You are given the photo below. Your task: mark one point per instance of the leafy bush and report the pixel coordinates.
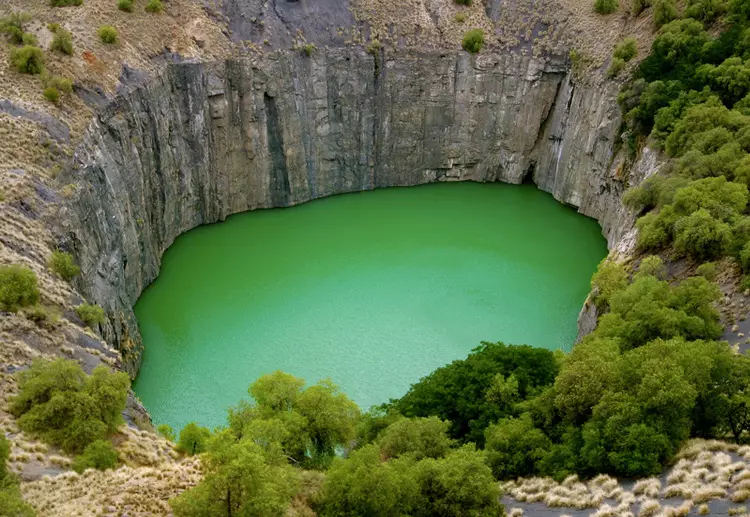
(652, 266)
(460, 17)
(745, 258)
(98, 455)
(639, 6)
(615, 67)
(463, 2)
(626, 50)
(610, 278)
(706, 10)
(154, 6)
(473, 40)
(65, 3)
(62, 264)
(13, 26)
(41, 315)
(664, 12)
(107, 34)
(167, 432)
(707, 271)
(125, 5)
(18, 288)
(29, 39)
(418, 437)
(606, 6)
(515, 447)
(62, 41)
(62, 405)
(27, 59)
(701, 235)
(193, 439)
(91, 314)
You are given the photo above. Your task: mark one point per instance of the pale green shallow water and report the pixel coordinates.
(374, 289)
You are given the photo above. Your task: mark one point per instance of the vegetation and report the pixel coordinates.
(460, 17)
(28, 59)
(62, 41)
(11, 503)
(473, 40)
(97, 455)
(167, 432)
(154, 6)
(18, 288)
(62, 263)
(52, 94)
(63, 406)
(91, 314)
(13, 26)
(193, 439)
(107, 34)
(125, 5)
(463, 2)
(65, 3)
(606, 6)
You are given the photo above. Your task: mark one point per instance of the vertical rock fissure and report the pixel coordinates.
(280, 191)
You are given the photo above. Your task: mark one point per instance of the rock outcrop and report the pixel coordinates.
(200, 142)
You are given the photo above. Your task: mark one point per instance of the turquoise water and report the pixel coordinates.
(374, 290)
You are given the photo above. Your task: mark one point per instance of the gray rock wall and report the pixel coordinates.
(203, 141)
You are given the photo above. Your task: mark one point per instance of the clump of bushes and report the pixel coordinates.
(65, 3)
(154, 6)
(52, 94)
(107, 34)
(11, 502)
(473, 40)
(13, 26)
(18, 288)
(100, 455)
(62, 41)
(125, 5)
(62, 264)
(27, 59)
(91, 314)
(63, 406)
(664, 12)
(606, 6)
(166, 431)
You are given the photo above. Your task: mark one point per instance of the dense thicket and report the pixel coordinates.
(691, 95)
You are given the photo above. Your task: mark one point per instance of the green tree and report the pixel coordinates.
(664, 12)
(193, 439)
(97, 455)
(418, 437)
(62, 264)
(701, 235)
(28, 59)
(515, 447)
(652, 266)
(610, 278)
(18, 288)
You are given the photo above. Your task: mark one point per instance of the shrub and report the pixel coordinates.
(701, 235)
(615, 67)
(125, 5)
(639, 6)
(29, 39)
(707, 271)
(460, 17)
(626, 49)
(65, 3)
(308, 49)
(652, 266)
(610, 278)
(463, 2)
(38, 314)
(193, 439)
(664, 12)
(62, 405)
(418, 437)
(13, 26)
(107, 34)
(154, 6)
(166, 431)
(97, 455)
(52, 94)
(606, 6)
(473, 40)
(62, 264)
(91, 314)
(745, 258)
(62, 41)
(514, 447)
(18, 288)
(27, 59)
(63, 84)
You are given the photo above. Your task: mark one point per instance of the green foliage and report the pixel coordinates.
(241, 478)
(107, 34)
(460, 17)
(626, 50)
(91, 314)
(193, 439)
(13, 26)
(610, 277)
(11, 502)
(62, 264)
(652, 266)
(309, 48)
(62, 41)
(166, 431)
(61, 84)
(664, 12)
(745, 258)
(615, 67)
(125, 5)
(97, 455)
(154, 6)
(458, 392)
(27, 59)
(638, 6)
(707, 270)
(65, 3)
(418, 437)
(515, 447)
(706, 10)
(18, 288)
(52, 94)
(701, 235)
(473, 41)
(606, 6)
(62, 405)
(29, 39)
(463, 2)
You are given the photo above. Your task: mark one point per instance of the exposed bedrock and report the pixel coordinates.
(202, 141)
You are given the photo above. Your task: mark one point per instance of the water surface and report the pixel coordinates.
(374, 290)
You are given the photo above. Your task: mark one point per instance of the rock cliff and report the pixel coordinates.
(201, 141)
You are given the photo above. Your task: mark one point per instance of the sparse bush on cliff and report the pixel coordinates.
(65, 3)
(615, 67)
(62, 41)
(107, 34)
(62, 264)
(639, 6)
(154, 6)
(63, 406)
(11, 503)
(460, 17)
(41, 315)
(91, 314)
(18, 288)
(626, 50)
(606, 6)
(473, 40)
(29, 39)
(609, 279)
(125, 5)
(463, 2)
(193, 439)
(166, 431)
(664, 12)
(13, 26)
(27, 59)
(97, 455)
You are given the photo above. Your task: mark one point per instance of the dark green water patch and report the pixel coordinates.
(374, 290)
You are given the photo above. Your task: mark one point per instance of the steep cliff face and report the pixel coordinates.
(202, 141)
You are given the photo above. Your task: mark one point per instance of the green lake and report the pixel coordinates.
(374, 289)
